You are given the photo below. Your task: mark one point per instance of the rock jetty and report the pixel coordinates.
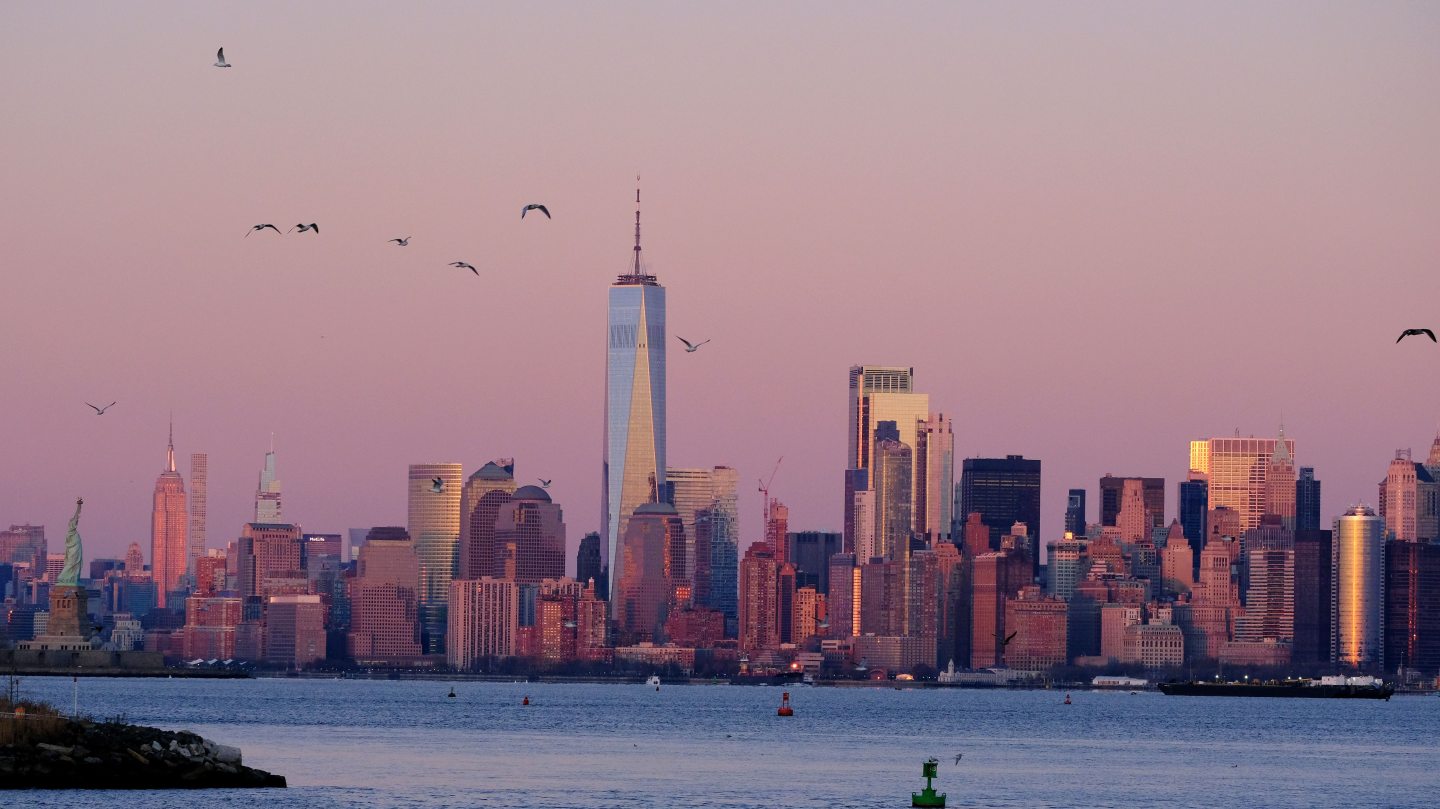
(113, 755)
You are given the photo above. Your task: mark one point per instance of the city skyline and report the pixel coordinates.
(1262, 184)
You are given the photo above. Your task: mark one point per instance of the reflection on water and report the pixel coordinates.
(351, 743)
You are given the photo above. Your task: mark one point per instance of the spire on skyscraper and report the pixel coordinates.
(170, 449)
(1282, 449)
(637, 224)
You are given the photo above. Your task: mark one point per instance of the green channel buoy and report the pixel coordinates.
(928, 796)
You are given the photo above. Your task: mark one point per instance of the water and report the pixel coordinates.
(353, 743)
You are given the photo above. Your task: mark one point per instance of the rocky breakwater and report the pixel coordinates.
(59, 753)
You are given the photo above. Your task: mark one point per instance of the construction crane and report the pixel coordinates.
(765, 498)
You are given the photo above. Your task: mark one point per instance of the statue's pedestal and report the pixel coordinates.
(68, 612)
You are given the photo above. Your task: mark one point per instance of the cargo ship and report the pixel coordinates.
(1323, 688)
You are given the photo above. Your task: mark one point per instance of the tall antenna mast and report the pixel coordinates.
(637, 224)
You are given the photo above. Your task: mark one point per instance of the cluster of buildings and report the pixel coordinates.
(936, 566)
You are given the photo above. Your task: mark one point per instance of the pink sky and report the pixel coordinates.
(1096, 232)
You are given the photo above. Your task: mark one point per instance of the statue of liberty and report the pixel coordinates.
(70, 575)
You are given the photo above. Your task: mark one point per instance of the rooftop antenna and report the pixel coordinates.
(637, 224)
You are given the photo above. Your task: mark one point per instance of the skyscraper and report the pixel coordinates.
(1005, 491)
(713, 491)
(1307, 500)
(1236, 469)
(1112, 492)
(434, 526)
(1412, 607)
(934, 481)
(651, 559)
(199, 485)
(167, 528)
(1312, 596)
(487, 490)
(530, 533)
(267, 493)
(1280, 483)
(1357, 617)
(1075, 512)
(1194, 504)
(891, 464)
(1409, 500)
(587, 560)
(384, 622)
(634, 469)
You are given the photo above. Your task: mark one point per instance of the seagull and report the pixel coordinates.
(100, 411)
(534, 206)
(262, 227)
(958, 756)
(220, 58)
(405, 242)
(544, 484)
(303, 228)
(1409, 332)
(691, 348)
(465, 266)
(437, 485)
(1006, 641)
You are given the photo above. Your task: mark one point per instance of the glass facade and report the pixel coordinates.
(1237, 470)
(634, 467)
(1358, 585)
(434, 526)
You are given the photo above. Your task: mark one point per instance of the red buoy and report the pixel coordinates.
(785, 709)
(526, 701)
(1067, 699)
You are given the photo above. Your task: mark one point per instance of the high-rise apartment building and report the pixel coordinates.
(485, 621)
(267, 493)
(1005, 491)
(1236, 470)
(1357, 564)
(1410, 500)
(168, 523)
(633, 473)
(759, 611)
(530, 535)
(199, 492)
(1112, 489)
(934, 480)
(997, 576)
(434, 526)
(1075, 512)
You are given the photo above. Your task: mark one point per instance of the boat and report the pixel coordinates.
(653, 682)
(1337, 687)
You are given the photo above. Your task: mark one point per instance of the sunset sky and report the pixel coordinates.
(1096, 231)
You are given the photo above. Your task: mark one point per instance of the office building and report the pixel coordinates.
(199, 494)
(384, 600)
(1412, 608)
(530, 536)
(168, 523)
(484, 493)
(1112, 490)
(1236, 471)
(810, 552)
(294, 631)
(1409, 500)
(1004, 491)
(587, 561)
(1312, 597)
(1075, 512)
(633, 473)
(934, 480)
(653, 578)
(433, 524)
(1193, 496)
(267, 493)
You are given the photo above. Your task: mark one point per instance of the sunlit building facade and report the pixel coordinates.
(434, 527)
(1358, 585)
(485, 493)
(1236, 470)
(168, 524)
(268, 508)
(633, 472)
(199, 492)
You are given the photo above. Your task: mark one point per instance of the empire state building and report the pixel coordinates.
(634, 467)
(167, 528)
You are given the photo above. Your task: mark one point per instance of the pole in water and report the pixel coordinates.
(75, 692)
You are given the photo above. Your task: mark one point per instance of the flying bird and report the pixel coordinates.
(1409, 332)
(544, 484)
(437, 485)
(220, 58)
(1006, 640)
(534, 206)
(100, 411)
(402, 242)
(958, 756)
(691, 348)
(302, 228)
(262, 227)
(465, 266)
